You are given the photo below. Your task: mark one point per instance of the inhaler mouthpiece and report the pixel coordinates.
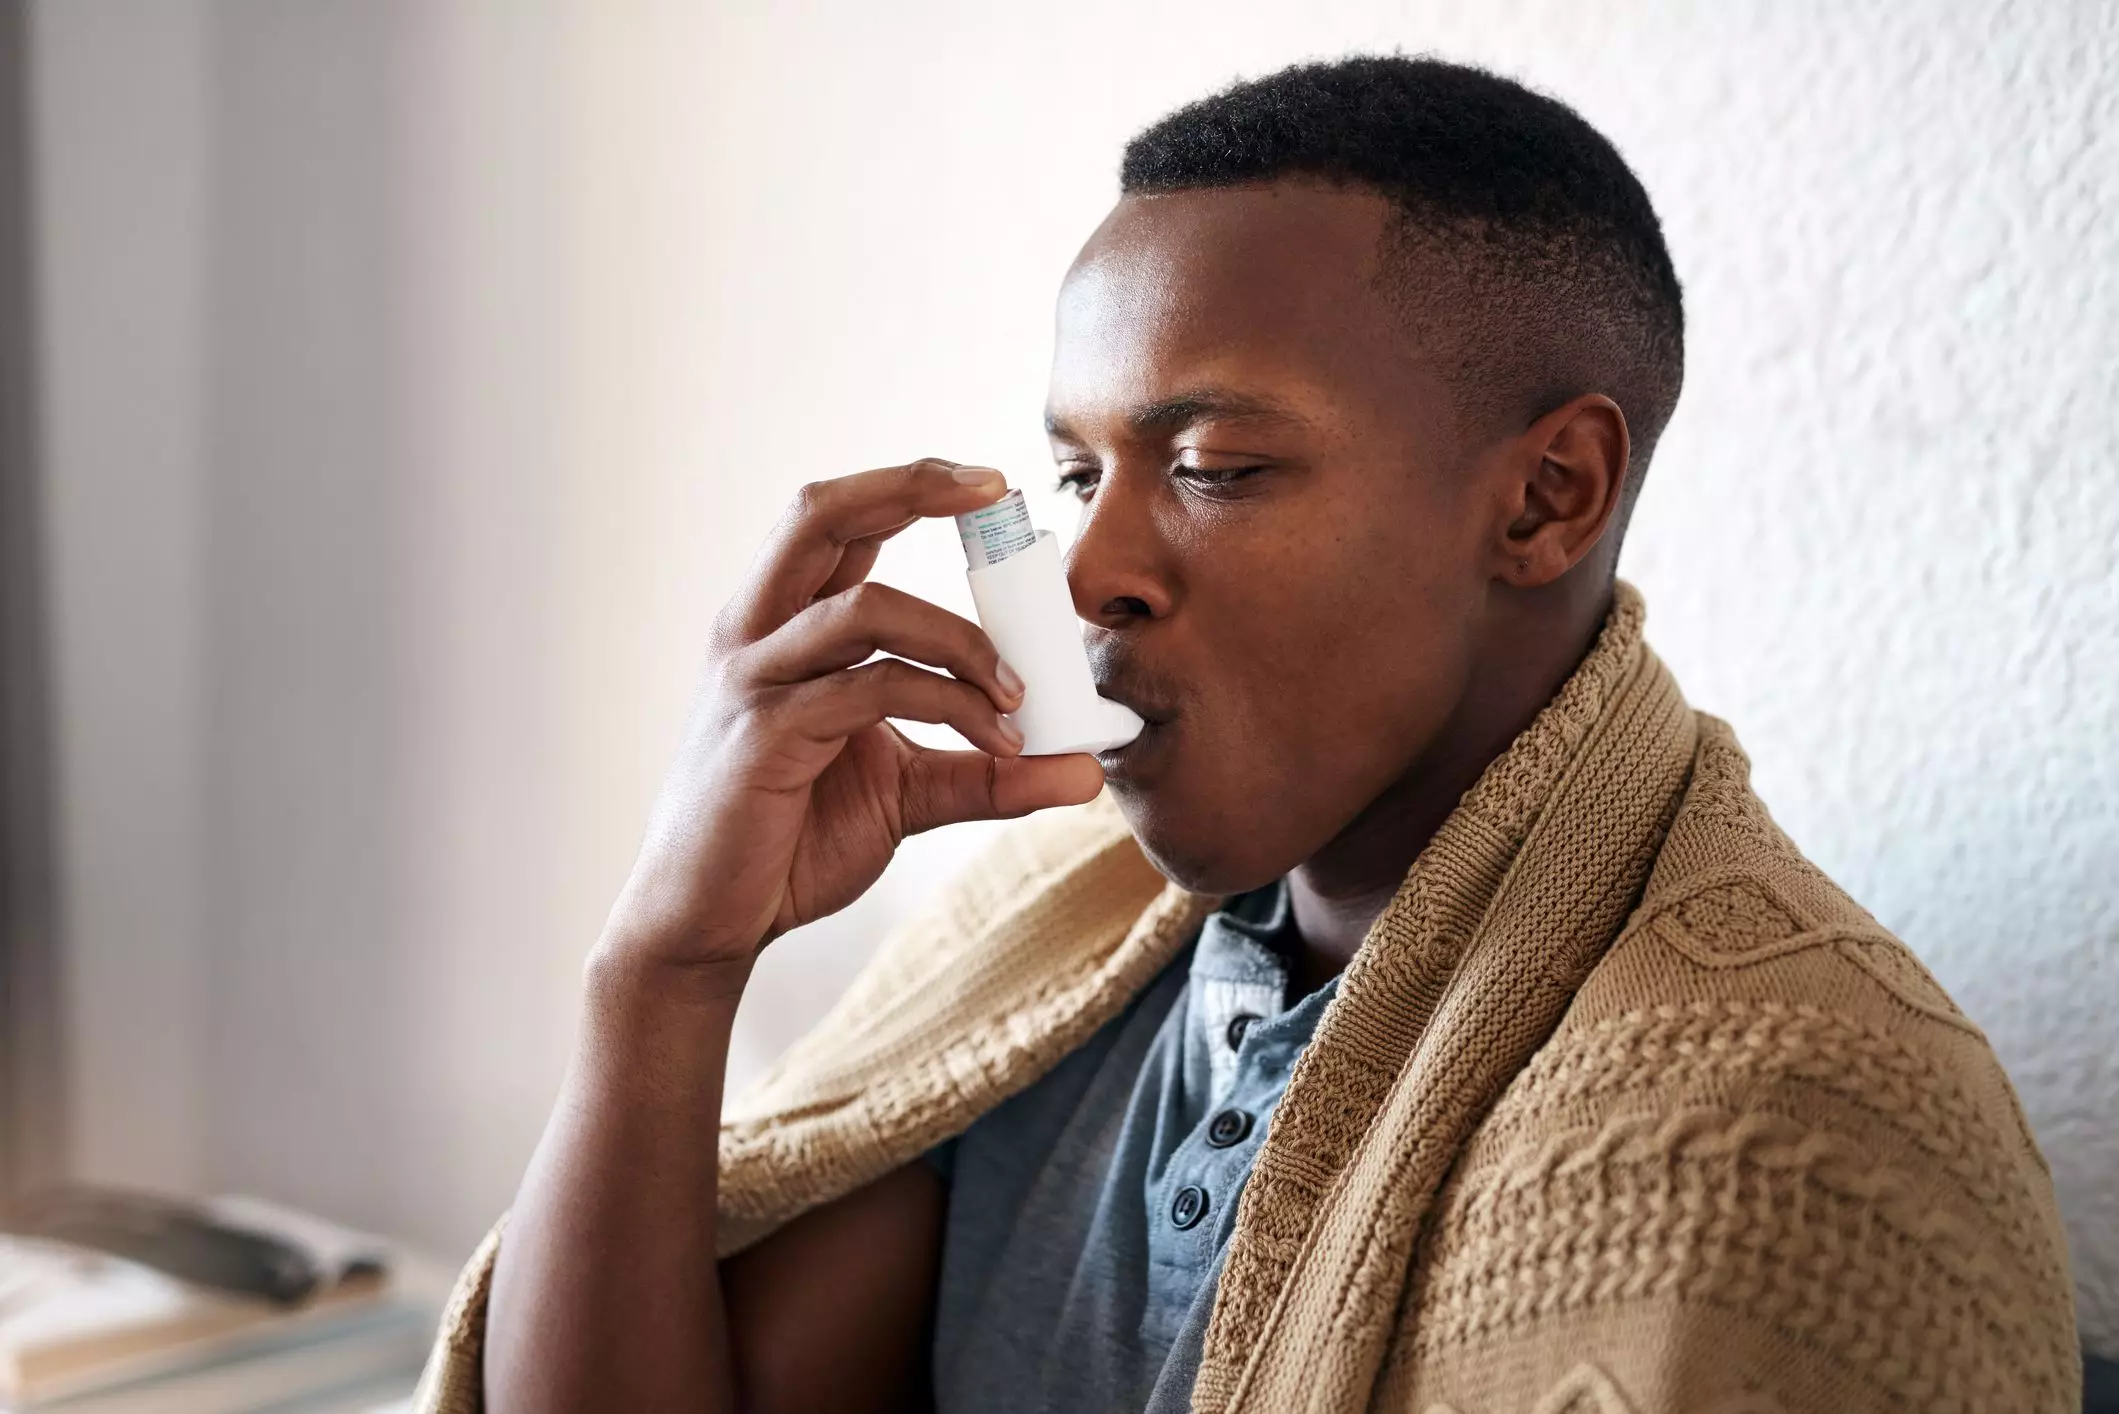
(1020, 589)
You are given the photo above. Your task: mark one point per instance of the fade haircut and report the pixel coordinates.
(1521, 246)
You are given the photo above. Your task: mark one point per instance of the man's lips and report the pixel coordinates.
(1123, 682)
(1151, 712)
(1123, 678)
(1122, 763)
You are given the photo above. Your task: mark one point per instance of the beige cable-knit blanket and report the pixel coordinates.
(1622, 1106)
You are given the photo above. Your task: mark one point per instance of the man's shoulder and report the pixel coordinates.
(1744, 966)
(1733, 910)
(1758, 1101)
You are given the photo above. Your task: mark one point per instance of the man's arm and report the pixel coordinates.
(787, 800)
(610, 1285)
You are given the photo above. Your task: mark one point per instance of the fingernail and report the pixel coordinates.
(976, 475)
(1009, 732)
(1010, 683)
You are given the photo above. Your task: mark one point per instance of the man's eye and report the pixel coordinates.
(1079, 483)
(1217, 476)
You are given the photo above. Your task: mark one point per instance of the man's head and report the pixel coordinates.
(1357, 382)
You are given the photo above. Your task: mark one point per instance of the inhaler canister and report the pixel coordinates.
(1020, 589)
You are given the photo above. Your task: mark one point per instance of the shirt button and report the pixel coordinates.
(1238, 1024)
(1228, 1127)
(1189, 1208)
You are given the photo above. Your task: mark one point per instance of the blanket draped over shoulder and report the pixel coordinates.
(1621, 1107)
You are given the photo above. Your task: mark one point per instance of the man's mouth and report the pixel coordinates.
(1151, 712)
(1120, 677)
(1122, 685)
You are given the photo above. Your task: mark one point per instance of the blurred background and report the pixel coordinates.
(394, 390)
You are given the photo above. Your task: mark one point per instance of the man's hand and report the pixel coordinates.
(789, 796)
(792, 789)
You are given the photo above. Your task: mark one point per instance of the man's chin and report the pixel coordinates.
(1197, 856)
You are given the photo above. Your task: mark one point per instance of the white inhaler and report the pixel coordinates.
(1020, 589)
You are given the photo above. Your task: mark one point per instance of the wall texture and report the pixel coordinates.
(485, 343)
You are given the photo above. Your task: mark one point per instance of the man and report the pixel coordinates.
(1426, 1018)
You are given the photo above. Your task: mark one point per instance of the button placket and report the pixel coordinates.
(1238, 984)
(1214, 1160)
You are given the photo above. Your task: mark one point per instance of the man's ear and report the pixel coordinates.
(1571, 476)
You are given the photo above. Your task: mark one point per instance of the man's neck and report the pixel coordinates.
(1338, 893)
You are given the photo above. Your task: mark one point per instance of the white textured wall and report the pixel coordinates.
(519, 323)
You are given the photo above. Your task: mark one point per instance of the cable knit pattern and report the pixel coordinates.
(1622, 1107)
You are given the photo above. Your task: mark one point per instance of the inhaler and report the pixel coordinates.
(1020, 589)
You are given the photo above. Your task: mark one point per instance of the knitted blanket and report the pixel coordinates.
(1622, 1107)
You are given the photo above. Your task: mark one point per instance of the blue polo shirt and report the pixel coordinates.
(1089, 1215)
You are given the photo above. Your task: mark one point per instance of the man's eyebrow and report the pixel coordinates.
(1170, 414)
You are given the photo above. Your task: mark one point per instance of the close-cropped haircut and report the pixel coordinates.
(1519, 237)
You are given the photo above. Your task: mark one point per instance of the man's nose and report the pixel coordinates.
(1117, 568)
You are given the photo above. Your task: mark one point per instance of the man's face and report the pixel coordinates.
(1283, 544)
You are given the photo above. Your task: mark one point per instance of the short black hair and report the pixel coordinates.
(1531, 210)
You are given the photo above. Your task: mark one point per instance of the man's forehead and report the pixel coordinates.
(1241, 293)
(1247, 245)
(1249, 221)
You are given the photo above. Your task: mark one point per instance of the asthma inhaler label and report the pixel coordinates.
(997, 532)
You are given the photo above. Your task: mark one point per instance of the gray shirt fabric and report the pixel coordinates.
(1088, 1215)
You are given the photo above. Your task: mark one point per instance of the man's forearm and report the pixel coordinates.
(785, 803)
(606, 1292)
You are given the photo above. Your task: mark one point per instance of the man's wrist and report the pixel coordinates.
(626, 974)
(649, 1018)
(654, 1040)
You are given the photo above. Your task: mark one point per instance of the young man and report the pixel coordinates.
(1427, 1017)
